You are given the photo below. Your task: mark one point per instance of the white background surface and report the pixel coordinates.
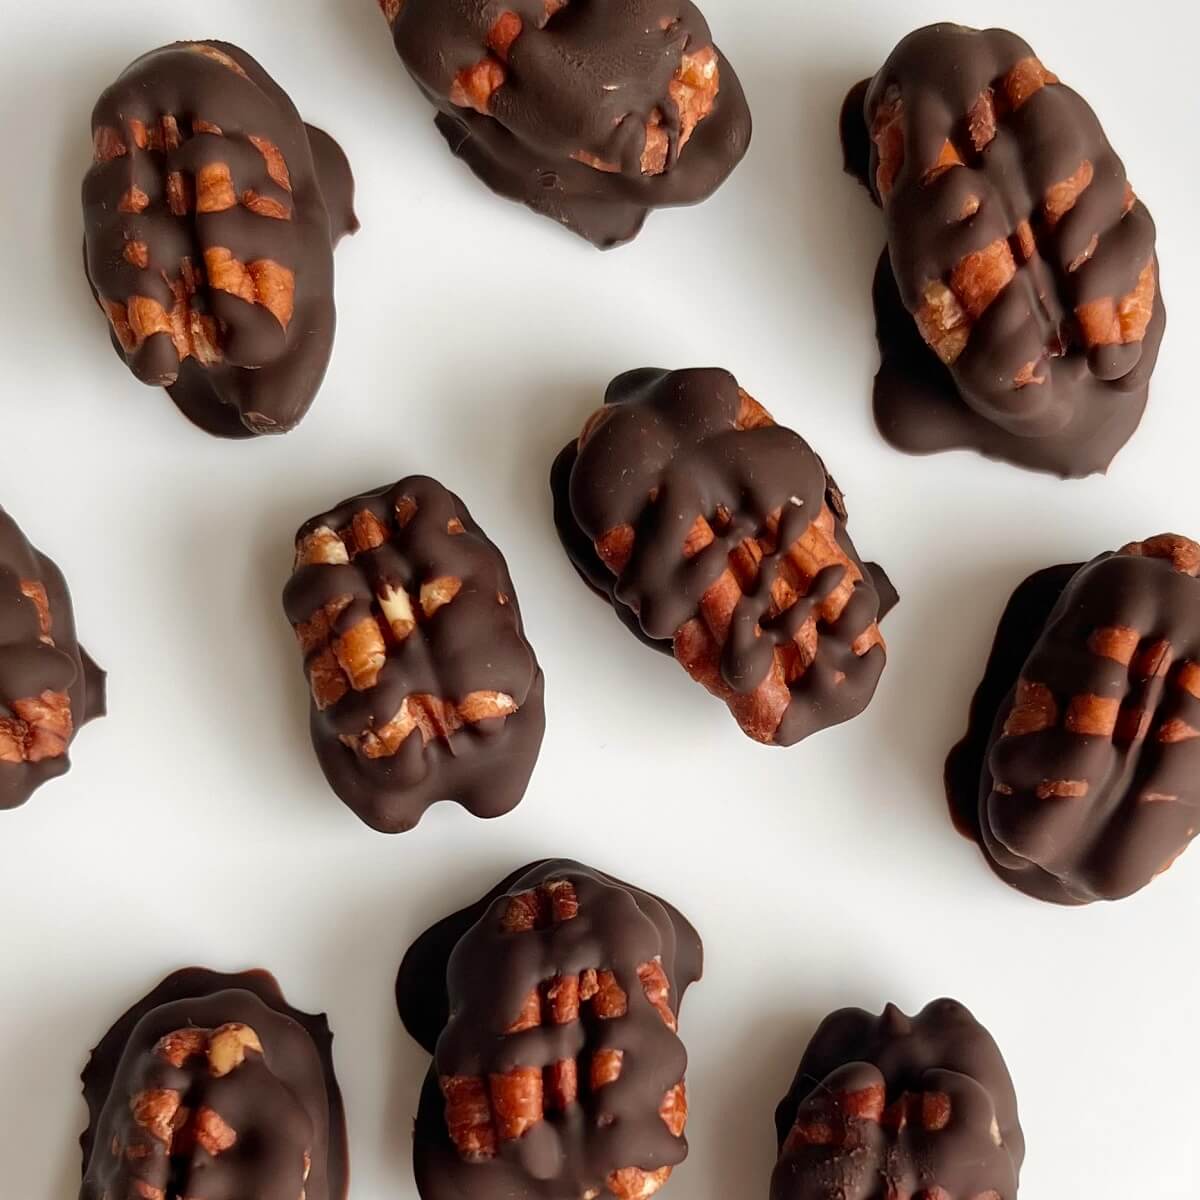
(474, 338)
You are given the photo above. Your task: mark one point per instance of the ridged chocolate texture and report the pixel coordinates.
(589, 113)
(1080, 772)
(890, 1107)
(424, 686)
(718, 536)
(551, 1008)
(49, 687)
(214, 1087)
(210, 216)
(1018, 305)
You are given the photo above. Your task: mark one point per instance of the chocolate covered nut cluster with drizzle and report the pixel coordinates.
(717, 536)
(49, 687)
(214, 1087)
(551, 1010)
(1017, 303)
(210, 215)
(1079, 772)
(424, 687)
(589, 113)
(900, 1108)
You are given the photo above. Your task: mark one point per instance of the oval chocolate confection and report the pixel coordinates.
(1018, 306)
(1079, 772)
(551, 1009)
(210, 216)
(891, 1106)
(424, 686)
(214, 1086)
(717, 536)
(589, 113)
(49, 687)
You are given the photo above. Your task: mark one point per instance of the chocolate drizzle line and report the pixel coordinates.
(476, 643)
(32, 664)
(268, 367)
(1139, 805)
(668, 451)
(1088, 403)
(462, 983)
(291, 1093)
(894, 1105)
(586, 78)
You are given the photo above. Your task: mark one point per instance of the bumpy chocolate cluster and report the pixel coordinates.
(717, 535)
(213, 1086)
(210, 215)
(1017, 247)
(49, 687)
(589, 113)
(551, 1010)
(900, 1108)
(424, 687)
(1079, 776)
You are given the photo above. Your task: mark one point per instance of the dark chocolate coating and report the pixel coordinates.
(1089, 402)
(672, 432)
(267, 371)
(587, 80)
(30, 666)
(1142, 804)
(282, 1104)
(475, 643)
(974, 1147)
(463, 981)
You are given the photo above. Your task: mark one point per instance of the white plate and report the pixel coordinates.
(195, 825)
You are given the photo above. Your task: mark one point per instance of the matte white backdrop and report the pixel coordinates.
(195, 826)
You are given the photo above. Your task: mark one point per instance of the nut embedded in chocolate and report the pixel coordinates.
(49, 687)
(589, 113)
(210, 216)
(1017, 304)
(1079, 775)
(551, 1008)
(424, 687)
(214, 1086)
(896, 1106)
(717, 536)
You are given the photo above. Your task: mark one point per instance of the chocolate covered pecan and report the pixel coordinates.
(895, 1107)
(551, 1010)
(589, 113)
(1018, 304)
(210, 216)
(1079, 773)
(49, 687)
(214, 1086)
(424, 687)
(718, 536)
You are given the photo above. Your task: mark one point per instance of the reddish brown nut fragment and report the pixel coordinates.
(423, 685)
(900, 1108)
(186, 294)
(579, 1067)
(763, 599)
(1084, 788)
(1029, 270)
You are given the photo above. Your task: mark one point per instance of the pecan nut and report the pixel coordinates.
(214, 1077)
(1077, 777)
(1017, 246)
(895, 1106)
(558, 1070)
(49, 687)
(210, 215)
(590, 114)
(718, 536)
(424, 686)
